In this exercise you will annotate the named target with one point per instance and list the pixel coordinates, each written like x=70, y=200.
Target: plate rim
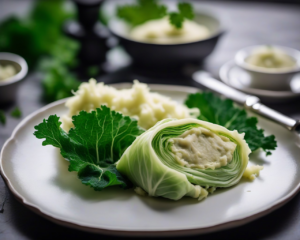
x=114, y=232
x=223, y=74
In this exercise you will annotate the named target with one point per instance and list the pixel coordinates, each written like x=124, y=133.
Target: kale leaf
x=94, y=145
x=223, y=112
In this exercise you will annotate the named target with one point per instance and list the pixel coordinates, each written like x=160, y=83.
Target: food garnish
x=185, y=12
x=92, y=147
x=146, y=10
x=141, y=12
x=223, y=112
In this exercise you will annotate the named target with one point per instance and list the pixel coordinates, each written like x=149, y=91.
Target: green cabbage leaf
x=150, y=164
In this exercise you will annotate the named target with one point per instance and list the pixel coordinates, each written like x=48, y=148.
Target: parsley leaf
x=16, y=113
x=186, y=10
x=141, y=12
x=146, y=10
x=223, y=112
x=176, y=19
x=2, y=117
x=94, y=145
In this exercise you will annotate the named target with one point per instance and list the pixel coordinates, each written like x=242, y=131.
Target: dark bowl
x=161, y=55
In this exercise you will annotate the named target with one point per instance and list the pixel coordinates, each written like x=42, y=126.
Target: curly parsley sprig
x=146, y=10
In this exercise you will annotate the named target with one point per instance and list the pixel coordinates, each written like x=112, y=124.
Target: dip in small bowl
x=270, y=67
x=13, y=69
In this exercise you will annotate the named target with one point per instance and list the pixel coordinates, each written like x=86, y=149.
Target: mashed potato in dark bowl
x=157, y=43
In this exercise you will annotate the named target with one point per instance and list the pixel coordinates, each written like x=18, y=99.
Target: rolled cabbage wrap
x=187, y=157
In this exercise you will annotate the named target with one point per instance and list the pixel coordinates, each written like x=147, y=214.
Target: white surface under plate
x=238, y=78
x=39, y=178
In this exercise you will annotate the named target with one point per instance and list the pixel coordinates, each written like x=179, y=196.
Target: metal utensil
x=250, y=102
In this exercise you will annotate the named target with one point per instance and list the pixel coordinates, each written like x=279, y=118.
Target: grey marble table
x=247, y=24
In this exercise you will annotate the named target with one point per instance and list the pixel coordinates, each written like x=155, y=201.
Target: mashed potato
x=162, y=32
x=252, y=172
x=7, y=72
x=137, y=102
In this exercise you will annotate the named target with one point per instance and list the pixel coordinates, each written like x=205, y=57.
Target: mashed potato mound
x=252, y=172
x=137, y=102
x=160, y=31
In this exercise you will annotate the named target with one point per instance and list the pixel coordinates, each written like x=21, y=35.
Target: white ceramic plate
x=238, y=78
x=39, y=178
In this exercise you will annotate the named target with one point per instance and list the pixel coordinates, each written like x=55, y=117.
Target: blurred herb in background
x=58, y=82
x=146, y=10
x=16, y=113
x=2, y=117
x=93, y=71
x=103, y=18
x=185, y=10
x=40, y=35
